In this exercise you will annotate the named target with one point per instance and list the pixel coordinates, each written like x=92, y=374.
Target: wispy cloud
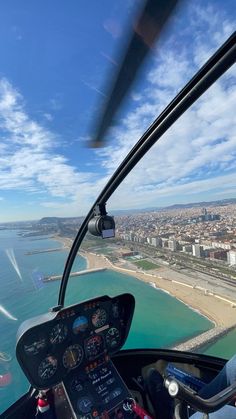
x=196, y=156
x=201, y=146
x=113, y=27
x=28, y=161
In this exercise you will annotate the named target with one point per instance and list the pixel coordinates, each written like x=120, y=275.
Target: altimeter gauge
x=73, y=356
x=47, y=367
x=113, y=337
x=94, y=346
x=58, y=333
x=99, y=317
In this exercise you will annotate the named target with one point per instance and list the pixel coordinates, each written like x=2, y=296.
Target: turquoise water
x=224, y=347
x=159, y=320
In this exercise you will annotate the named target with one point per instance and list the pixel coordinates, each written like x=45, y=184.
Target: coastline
x=219, y=310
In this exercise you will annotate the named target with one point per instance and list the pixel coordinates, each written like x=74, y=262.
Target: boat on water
x=72, y=355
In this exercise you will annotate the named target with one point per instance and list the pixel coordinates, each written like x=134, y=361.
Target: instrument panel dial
x=58, y=333
x=99, y=317
x=113, y=337
x=47, y=367
x=73, y=356
x=84, y=405
x=94, y=346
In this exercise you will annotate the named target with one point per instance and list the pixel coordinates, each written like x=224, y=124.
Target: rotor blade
x=147, y=29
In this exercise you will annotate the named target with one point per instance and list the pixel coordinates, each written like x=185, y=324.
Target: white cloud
x=48, y=116
x=197, y=155
x=202, y=144
x=27, y=158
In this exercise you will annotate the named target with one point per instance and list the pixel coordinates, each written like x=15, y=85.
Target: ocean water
x=223, y=348
x=159, y=320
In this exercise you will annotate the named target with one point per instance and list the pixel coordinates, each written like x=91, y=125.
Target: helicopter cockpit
x=70, y=350
x=121, y=288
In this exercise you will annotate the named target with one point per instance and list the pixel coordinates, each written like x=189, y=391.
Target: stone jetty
x=204, y=339
x=79, y=273
x=35, y=252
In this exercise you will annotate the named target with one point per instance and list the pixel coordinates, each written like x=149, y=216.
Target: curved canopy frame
x=214, y=68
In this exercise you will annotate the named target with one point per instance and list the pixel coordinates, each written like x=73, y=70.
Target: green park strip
x=146, y=264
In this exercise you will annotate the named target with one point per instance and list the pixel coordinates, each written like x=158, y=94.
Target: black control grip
x=191, y=397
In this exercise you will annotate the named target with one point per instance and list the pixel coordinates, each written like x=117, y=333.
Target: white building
x=197, y=250
x=156, y=241
x=231, y=257
x=172, y=245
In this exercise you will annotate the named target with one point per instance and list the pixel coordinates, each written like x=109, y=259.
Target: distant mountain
x=56, y=220
x=204, y=204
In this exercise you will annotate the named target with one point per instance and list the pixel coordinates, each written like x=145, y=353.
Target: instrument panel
x=82, y=336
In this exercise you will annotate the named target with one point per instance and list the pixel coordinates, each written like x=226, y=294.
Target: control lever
x=191, y=397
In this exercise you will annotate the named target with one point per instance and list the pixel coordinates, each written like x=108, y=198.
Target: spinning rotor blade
x=146, y=31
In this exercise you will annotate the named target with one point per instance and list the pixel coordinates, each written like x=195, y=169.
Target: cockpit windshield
x=175, y=221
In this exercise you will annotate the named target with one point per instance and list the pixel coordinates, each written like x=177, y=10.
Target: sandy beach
x=217, y=307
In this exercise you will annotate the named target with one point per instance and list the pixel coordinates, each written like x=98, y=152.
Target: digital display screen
x=106, y=234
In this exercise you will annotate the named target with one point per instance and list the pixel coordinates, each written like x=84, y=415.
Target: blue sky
x=55, y=60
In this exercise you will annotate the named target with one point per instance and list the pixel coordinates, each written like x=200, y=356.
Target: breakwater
x=204, y=339
x=79, y=273
x=35, y=252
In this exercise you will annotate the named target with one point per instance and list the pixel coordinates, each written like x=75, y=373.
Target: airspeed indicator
x=113, y=337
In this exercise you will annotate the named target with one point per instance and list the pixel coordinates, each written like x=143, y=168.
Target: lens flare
x=11, y=256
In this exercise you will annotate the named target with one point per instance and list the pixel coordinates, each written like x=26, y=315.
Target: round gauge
x=58, y=333
x=99, y=317
x=73, y=356
x=80, y=324
x=113, y=337
x=35, y=345
x=94, y=346
x=84, y=405
x=47, y=367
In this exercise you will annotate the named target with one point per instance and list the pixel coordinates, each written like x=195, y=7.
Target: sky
x=56, y=60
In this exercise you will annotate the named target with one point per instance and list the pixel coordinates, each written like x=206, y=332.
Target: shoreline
x=216, y=308
x=219, y=310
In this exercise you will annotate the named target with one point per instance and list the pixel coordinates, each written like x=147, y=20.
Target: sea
x=159, y=320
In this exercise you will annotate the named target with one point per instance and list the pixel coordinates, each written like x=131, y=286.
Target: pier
x=35, y=252
x=79, y=273
x=204, y=339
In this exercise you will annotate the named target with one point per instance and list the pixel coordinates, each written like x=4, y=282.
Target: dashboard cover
x=77, y=337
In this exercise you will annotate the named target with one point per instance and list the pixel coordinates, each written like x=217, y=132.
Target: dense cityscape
x=200, y=232
x=197, y=237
